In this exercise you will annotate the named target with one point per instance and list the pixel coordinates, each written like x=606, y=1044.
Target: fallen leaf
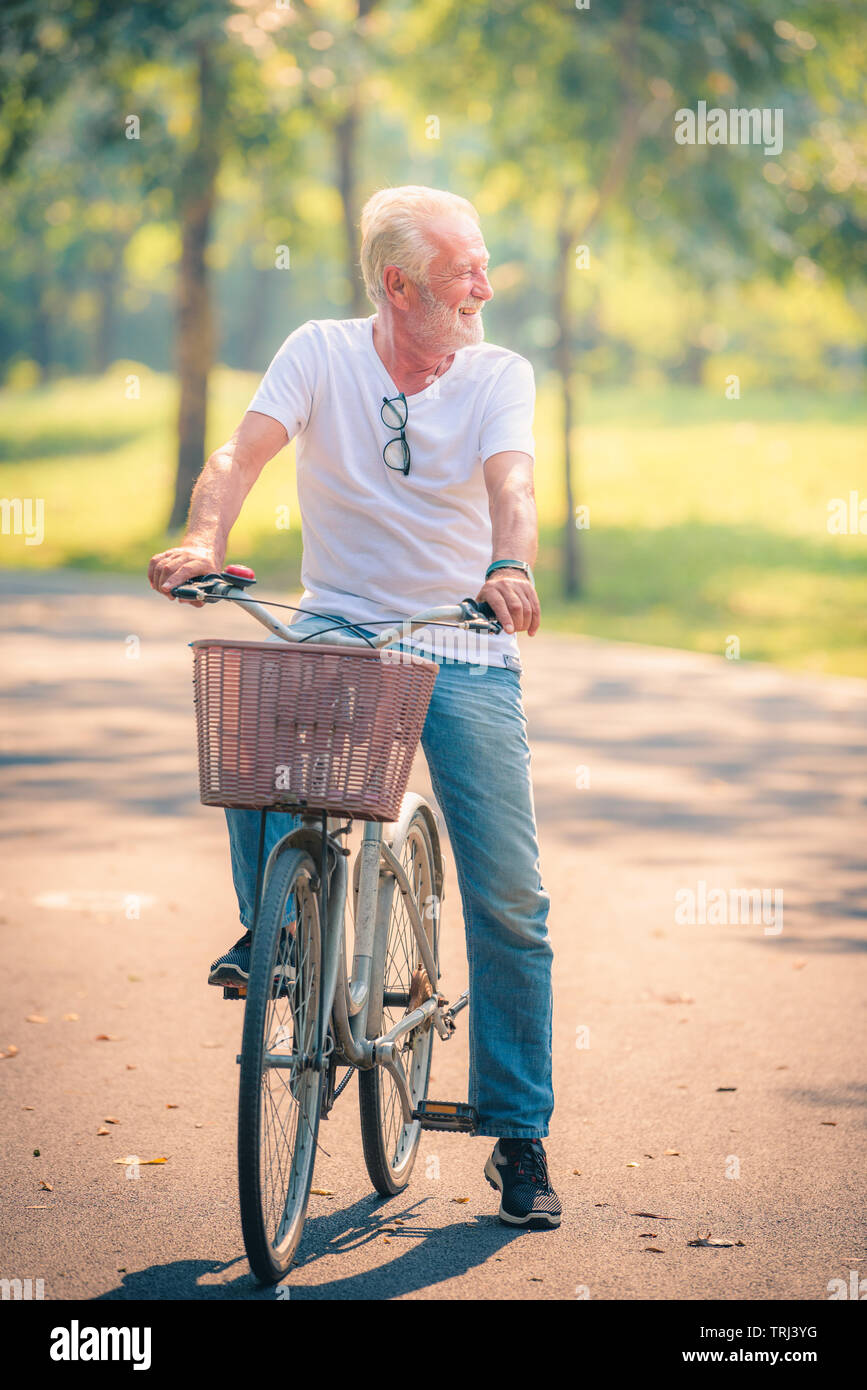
x=832, y=1123
x=652, y=1216
x=647, y=1235
x=577, y=1172
x=28, y=1107
x=102, y=1130
x=106, y=1037
x=35, y=1018
x=648, y=1155
x=673, y=1153
x=535, y=1279
x=70, y=1018
x=131, y=1066
x=727, y=1088
x=110, y=1120
x=11, y=1051
x=320, y=1192
x=169, y=1106
x=653, y=1250
x=460, y=1199
x=633, y=1165
x=46, y=1186
x=142, y=1162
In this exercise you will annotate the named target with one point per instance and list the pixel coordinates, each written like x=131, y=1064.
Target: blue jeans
x=475, y=743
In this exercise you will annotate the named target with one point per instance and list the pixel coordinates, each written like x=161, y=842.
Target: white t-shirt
x=377, y=544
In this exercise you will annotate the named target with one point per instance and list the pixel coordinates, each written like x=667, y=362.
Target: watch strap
x=510, y=565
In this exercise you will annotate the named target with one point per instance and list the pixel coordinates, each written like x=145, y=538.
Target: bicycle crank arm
x=386, y=1054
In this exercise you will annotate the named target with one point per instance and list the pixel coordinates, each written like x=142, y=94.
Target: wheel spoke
x=282, y=1124
x=401, y=962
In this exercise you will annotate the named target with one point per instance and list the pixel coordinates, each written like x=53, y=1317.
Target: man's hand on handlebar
x=513, y=599
x=172, y=567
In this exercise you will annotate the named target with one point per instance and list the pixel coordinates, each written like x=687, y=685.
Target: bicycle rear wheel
x=280, y=1092
x=390, y=1143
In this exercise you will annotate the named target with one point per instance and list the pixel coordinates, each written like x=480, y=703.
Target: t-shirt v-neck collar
x=383, y=371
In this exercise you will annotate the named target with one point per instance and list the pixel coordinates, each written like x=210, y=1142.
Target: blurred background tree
x=180, y=186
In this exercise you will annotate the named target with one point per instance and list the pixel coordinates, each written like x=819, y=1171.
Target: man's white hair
x=393, y=232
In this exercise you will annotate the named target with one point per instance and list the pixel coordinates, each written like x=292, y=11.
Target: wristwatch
x=511, y=565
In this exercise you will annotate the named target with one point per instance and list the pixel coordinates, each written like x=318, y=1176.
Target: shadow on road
x=434, y=1255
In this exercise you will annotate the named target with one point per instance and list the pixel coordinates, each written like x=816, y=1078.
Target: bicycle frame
x=346, y=996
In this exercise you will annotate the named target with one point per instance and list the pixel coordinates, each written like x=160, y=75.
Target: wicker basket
x=304, y=726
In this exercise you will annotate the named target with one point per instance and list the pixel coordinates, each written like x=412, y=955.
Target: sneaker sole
x=235, y=978
x=534, y=1220
x=229, y=975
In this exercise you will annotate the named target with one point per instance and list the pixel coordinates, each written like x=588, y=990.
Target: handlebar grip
x=186, y=590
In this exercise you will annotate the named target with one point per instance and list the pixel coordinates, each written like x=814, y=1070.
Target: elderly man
x=415, y=480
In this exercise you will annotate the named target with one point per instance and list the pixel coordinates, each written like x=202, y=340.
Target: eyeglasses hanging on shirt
x=393, y=414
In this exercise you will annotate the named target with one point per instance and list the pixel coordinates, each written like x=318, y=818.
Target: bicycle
x=306, y=1015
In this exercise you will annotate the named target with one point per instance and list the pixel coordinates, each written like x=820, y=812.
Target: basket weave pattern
x=317, y=727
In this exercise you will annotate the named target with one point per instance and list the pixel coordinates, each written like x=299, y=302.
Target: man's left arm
x=512, y=502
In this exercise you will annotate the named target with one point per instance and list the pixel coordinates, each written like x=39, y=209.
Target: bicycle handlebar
x=232, y=582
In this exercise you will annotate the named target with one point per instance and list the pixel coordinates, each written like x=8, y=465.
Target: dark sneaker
x=233, y=968
x=518, y=1170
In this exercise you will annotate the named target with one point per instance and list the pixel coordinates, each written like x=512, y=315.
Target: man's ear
x=396, y=286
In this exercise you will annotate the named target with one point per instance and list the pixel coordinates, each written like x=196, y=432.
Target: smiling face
x=448, y=313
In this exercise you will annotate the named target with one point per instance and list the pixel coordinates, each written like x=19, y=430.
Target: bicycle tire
x=284, y=1012
x=390, y=1145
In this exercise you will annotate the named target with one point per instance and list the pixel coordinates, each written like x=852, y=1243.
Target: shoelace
x=538, y=1169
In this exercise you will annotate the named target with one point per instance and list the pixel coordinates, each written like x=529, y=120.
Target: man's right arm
x=218, y=496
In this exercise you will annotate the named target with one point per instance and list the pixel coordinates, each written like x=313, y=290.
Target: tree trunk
x=346, y=135
x=195, y=327
x=251, y=344
x=572, y=567
x=41, y=348
x=107, y=282
x=568, y=233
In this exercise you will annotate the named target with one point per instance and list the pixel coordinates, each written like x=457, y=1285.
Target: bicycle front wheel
x=390, y=1143
x=280, y=1093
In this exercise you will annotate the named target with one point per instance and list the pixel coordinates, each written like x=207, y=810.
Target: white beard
x=445, y=330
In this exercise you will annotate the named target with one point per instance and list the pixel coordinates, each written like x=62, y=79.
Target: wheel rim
x=290, y=1097
x=401, y=962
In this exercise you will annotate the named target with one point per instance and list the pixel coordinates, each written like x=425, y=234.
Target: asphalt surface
x=709, y=1074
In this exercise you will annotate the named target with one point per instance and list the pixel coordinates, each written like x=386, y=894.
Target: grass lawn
x=708, y=518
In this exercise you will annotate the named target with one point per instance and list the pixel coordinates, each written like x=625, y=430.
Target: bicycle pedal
x=234, y=992
x=453, y=1115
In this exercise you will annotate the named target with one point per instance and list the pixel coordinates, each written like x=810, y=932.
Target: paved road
x=708, y=1073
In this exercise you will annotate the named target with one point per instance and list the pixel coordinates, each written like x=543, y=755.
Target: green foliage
x=708, y=517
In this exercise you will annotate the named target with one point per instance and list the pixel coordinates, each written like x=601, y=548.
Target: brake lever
x=194, y=588
x=491, y=622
